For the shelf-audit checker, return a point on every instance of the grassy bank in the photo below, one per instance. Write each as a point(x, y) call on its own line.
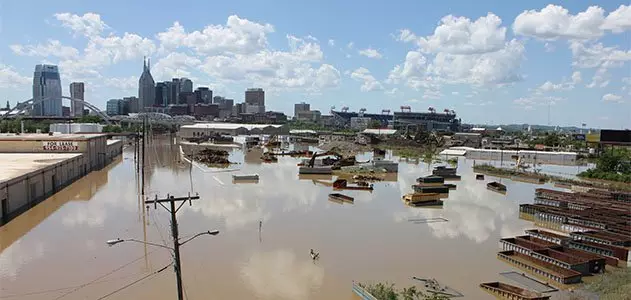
point(615, 285)
point(601, 184)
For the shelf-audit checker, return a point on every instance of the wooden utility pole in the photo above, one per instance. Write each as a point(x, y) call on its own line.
point(175, 233)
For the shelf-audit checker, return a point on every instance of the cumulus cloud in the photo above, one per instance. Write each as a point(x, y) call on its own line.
point(460, 35)
point(555, 22)
point(369, 82)
point(566, 84)
point(236, 36)
point(90, 24)
point(460, 51)
point(9, 78)
point(52, 48)
point(331, 42)
point(369, 52)
point(612, 98)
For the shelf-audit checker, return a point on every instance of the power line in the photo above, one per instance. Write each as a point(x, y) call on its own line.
point(134, 282)
point(102, 276)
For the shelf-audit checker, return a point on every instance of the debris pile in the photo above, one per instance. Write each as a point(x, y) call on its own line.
point(212, 157)
point(367, 178)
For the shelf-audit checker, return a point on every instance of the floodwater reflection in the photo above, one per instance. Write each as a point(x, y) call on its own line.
point(266, 232)
point(281, 274)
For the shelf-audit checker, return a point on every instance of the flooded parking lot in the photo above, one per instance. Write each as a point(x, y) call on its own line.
point(57, 250)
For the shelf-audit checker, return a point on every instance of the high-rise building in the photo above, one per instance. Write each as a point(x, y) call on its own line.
point(186, 85)
point(204, 95)
point(162, 94)
point(132, 103)
point(300, 107)
point(146, 87)
point(175, 90)
point(113, 107)
point(77, 90)
point(255, 96)
point(47, 85)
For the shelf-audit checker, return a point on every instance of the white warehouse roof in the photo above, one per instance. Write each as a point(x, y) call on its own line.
point(380, 131)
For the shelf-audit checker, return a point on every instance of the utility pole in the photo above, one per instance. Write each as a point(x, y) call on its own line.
point(144, 131)
point(174, 232)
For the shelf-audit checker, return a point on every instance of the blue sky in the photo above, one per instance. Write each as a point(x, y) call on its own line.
point(490, 61)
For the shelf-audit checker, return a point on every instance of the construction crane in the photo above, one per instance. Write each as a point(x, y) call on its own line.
point(385, 111)
point(406, 108)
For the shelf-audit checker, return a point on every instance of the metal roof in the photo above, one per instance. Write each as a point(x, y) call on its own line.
point(380, 131)
point(230, 126)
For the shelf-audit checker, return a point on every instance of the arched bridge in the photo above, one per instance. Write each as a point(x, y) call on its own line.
point(31, 102)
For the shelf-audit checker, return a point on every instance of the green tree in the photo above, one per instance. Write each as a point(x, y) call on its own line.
point(112, 128)
point(374, 124)
point(90, 119)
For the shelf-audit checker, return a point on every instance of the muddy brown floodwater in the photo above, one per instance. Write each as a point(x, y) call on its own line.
point(57, 249)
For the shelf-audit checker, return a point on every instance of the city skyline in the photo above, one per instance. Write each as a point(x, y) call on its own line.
point(491, 63)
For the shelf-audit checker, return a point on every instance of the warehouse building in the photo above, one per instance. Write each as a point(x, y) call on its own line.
point(33, 167)
point(207, 129)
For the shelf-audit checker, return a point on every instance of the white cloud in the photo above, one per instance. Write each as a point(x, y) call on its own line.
point(129, 85)
point(412, 70)
point(612, 98)
point(576, 77)
point(455, 93)
point(413, 101)
point(565, 84)
point(597, 55)
point(555, 22)
point(369, 81)
point(500, 67)
point(459, 35)
point(549, 47)
point(174, 65)
point(276, 69)
point(369, 52)
point(128, 47)
point(237, 36)
point(9, 78)
point(537, 100)
point(331, 42)
point(618, 20)
point(89, 24)
point(52, 48)
point(460, 51)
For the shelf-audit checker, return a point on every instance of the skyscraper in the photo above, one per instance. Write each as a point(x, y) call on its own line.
point(47, 85)
point(255, 100)
point(162, 94)
point(175, 91)
point(300, 107)
point(204, 95)
point(146, 87)
point(186, 85)
point(76, 92)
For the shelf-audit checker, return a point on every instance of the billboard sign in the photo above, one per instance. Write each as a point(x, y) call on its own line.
point(608, 136)
point(60, 146)
point(579, 137)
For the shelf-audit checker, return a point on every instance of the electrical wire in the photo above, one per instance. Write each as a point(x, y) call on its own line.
point(65, 288)
point(103, 276)
point(134, 282)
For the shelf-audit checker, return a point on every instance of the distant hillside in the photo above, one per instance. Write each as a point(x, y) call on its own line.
point(520, 127)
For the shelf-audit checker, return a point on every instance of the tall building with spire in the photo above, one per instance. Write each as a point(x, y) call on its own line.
point(146, 87)
point(47, 85)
